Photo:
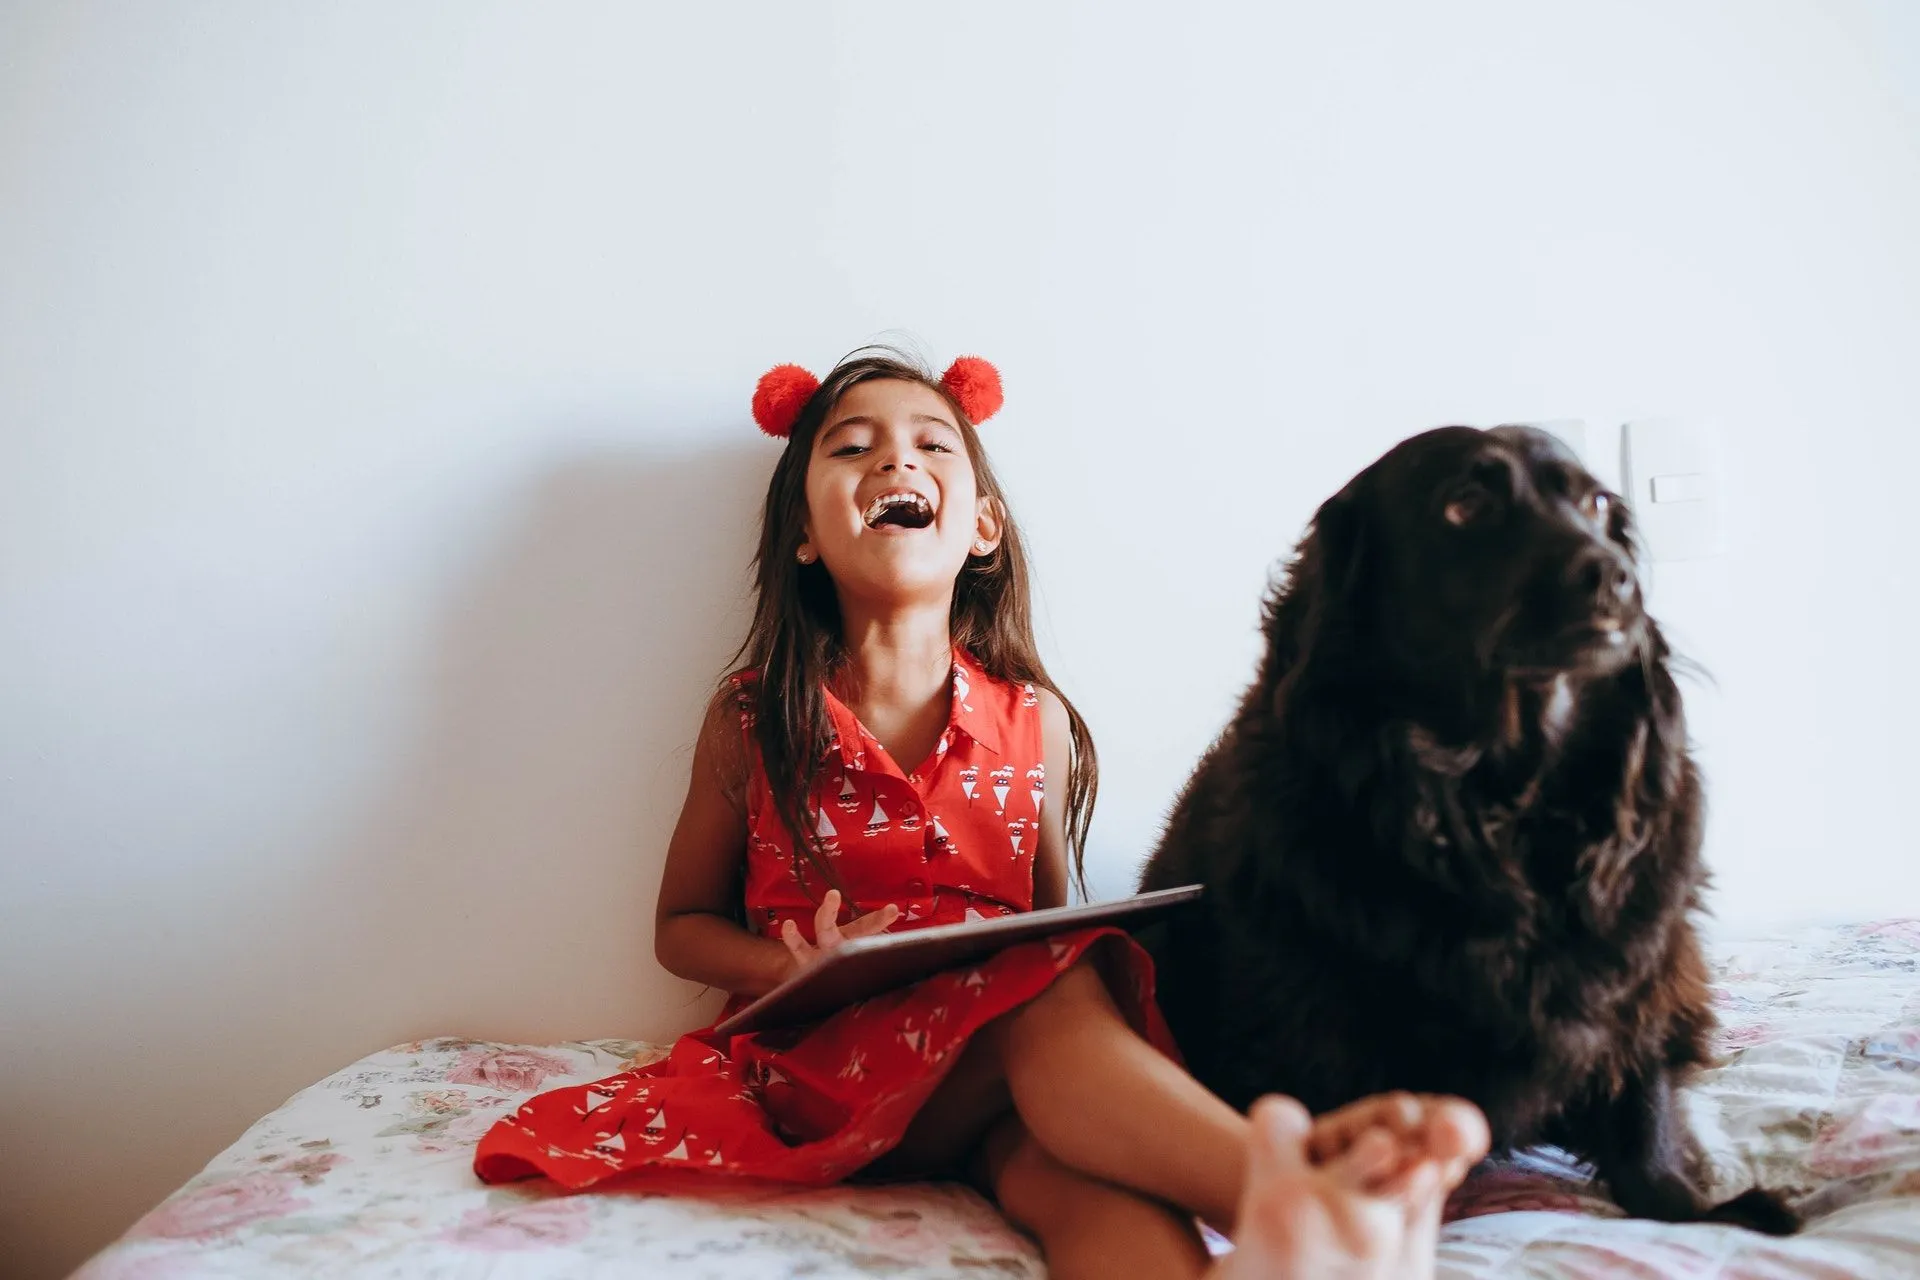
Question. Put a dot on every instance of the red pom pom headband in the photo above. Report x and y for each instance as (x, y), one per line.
(784, 390)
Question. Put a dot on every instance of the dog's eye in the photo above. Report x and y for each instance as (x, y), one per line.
(1598, 504)
(1467, 506)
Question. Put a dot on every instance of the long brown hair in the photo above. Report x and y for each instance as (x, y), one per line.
(796, 645)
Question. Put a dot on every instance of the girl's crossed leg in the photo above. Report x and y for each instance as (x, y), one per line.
(1105, 1150)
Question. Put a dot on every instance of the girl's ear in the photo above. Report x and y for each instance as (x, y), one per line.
(987, 524)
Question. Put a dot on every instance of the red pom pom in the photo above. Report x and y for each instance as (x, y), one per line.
(976, 385)
(782, 393)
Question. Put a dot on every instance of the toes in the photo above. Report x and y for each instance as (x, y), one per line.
(1373, 1156)
(1455, 1135)
(1399, 1113)
(1279, 1143)
(1414, 1185)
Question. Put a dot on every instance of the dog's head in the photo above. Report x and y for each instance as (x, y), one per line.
(1465, 556)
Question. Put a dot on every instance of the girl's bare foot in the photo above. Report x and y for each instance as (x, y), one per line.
(1450, 1131)
(1368, 1210)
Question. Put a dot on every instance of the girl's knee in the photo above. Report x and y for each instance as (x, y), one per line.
(1036, 1191)
(1081, 989)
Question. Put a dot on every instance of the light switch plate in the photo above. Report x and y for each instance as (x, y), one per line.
(1673, 475)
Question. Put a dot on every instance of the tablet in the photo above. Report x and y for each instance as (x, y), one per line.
(866, 967)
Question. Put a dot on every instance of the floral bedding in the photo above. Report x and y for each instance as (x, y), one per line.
(367, 1172)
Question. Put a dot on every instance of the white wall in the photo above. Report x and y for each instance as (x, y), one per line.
(376, 482)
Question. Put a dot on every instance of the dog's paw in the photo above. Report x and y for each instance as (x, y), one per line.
(1757, 1210)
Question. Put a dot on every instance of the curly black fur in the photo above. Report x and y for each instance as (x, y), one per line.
(1451, 837)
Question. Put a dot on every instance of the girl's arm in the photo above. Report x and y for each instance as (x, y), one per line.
(695, 933)
(1050, 860)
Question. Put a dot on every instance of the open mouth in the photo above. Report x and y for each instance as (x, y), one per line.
(901, 509)
(1601, 634)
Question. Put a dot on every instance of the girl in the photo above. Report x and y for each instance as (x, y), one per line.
(891, 757)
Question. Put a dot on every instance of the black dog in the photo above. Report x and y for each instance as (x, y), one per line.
(1451, 837)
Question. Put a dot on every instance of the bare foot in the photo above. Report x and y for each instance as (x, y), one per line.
(1450, 1131)
(1369, 1211)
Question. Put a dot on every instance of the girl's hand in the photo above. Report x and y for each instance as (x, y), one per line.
(829, 933)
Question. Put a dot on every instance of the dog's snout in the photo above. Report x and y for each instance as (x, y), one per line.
(1603, 576)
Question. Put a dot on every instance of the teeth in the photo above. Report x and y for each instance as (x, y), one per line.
(887, 501)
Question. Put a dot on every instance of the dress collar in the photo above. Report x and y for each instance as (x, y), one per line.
(975, 698)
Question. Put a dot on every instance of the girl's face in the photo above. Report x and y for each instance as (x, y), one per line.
(892, 507)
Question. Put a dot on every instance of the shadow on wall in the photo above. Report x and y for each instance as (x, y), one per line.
(505, 889)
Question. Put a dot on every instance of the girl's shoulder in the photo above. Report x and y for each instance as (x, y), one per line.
(733, 701)
(1015, 690)
(725, 731)
(1010, 702)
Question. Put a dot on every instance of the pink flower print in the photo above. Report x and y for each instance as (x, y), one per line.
(514, 1070)
(1742, 1037)
(1884, 1131)
(1907, 931)
(442, 1101)
(212, 1211)
(116, 1264)
(457, 1134)
(312, 1167)
(541, 1224)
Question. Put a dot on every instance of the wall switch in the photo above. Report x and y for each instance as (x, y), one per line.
(1672, 472)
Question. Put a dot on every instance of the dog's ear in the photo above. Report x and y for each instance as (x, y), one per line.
(1643, 705)
(1312, 608)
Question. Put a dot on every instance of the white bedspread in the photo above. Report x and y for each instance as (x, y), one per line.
(367, 1172)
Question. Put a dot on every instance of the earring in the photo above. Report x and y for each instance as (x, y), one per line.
(981, 546)
(804, 555)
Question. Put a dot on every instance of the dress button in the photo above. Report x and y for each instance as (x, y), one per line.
(917, 886)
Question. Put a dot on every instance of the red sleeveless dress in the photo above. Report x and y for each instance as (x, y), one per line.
(954, 840)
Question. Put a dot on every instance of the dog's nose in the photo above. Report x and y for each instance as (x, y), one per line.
(1604, 575)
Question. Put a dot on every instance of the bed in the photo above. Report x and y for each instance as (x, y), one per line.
(366, 1173)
